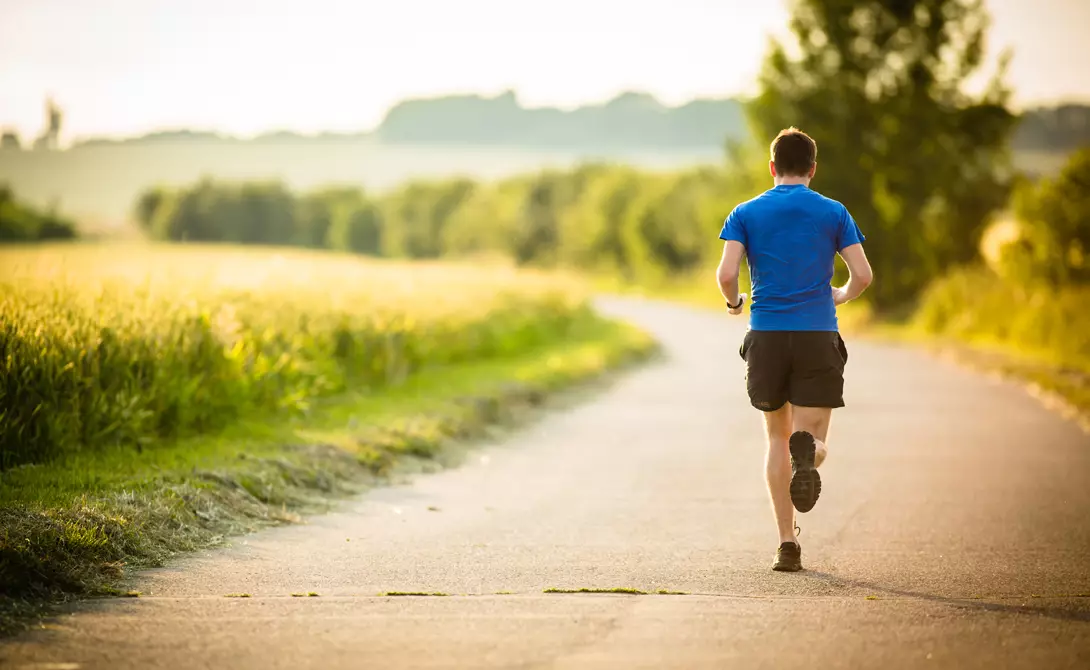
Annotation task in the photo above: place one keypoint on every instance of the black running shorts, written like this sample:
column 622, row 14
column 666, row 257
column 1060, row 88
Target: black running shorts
column 805, row 368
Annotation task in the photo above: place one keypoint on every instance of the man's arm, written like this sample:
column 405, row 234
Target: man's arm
column 860, row 274
column 727, row 274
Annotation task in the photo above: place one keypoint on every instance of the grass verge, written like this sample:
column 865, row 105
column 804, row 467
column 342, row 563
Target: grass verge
column 71, row 528
column 1033, row 333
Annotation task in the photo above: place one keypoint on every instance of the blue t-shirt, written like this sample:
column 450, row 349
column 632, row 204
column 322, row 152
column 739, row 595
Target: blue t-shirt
column 792, row 235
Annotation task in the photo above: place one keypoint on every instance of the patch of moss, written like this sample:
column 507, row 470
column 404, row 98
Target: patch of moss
column 627, row 591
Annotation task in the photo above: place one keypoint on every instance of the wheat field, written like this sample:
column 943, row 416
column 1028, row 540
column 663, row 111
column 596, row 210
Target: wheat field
column 105, row 344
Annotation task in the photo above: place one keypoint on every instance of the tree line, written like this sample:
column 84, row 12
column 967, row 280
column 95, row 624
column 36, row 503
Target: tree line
column 639, row 226
column 598, row 217
column 20, row 222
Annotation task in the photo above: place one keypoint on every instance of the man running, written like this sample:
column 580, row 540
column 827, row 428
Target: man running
column 794, row 354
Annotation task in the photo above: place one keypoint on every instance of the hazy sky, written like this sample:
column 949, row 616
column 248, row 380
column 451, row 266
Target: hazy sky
column 244, row 66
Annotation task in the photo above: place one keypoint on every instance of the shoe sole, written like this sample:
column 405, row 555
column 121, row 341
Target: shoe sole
column 805, row 480
column 787, row 568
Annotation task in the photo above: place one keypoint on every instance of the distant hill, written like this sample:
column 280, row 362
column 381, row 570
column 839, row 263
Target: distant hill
column 631, row 120
column 164, row 136
column 1061, row 128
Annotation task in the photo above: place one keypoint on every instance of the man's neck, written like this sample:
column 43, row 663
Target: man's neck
column 791, row 181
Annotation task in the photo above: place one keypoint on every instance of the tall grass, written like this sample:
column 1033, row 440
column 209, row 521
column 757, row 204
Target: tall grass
column 978, row 306
column 102, row 346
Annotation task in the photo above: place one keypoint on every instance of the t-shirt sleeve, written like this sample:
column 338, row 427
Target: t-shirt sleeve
column 848, row 232
column 734, row 227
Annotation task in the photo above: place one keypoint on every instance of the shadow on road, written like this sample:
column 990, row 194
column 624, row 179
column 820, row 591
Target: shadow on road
column 1078, row 612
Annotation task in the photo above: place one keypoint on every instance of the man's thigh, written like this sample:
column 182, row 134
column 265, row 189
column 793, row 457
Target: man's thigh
column 817, row 369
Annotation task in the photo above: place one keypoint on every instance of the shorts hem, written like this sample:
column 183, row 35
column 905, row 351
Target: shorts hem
column 818, row 405
column 768, row 408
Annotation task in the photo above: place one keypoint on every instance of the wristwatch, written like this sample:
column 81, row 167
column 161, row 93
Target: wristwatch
column 741, row 301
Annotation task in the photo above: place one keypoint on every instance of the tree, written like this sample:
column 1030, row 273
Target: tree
column 148, row 203
column 20, row 222
column 355, row 224
column 1054, row 218
column 50, row 137
column 9, row 140
column 416, row 215
column 880, row 84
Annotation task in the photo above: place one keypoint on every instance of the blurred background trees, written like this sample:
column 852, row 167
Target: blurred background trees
column 1053, row 240
column 20, row 222
column 918, row 161
column 49, row 140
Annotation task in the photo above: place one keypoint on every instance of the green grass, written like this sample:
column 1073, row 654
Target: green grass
column 73, row 526
column 106, row 345
column 1036, row 334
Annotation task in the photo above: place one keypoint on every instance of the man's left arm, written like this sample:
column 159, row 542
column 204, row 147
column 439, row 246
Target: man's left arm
column 729, row 268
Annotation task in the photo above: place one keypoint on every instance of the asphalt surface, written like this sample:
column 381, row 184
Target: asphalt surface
column 951, row 533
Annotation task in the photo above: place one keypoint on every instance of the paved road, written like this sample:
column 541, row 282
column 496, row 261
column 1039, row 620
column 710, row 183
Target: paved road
column 951, row 533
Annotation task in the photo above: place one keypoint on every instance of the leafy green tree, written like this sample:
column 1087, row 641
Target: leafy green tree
column 148, row 204
column 17, row 223
column 918, row 161
column 355, row 225
column 1054, row 218
column 674, row 221
column 486, row 221
column 416, row 215
column 20, row 222
column 592, row 231
column 315, row 216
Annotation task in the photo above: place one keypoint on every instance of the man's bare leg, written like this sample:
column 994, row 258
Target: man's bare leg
column 814, row 420
column 807, row 450
column 778, row 470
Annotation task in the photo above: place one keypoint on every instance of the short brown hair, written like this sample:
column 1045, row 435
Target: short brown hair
column 793, row 153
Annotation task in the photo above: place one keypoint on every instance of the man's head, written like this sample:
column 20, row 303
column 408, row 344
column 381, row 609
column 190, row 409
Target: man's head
column 794, row 155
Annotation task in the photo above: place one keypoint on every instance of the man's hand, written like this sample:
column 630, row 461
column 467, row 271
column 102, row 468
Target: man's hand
column 741, row 305
column 840, row 296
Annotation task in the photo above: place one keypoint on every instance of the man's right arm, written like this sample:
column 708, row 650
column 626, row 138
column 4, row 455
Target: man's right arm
column 860, row 274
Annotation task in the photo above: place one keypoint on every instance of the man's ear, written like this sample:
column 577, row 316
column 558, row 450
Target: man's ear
column 772, row 168
column 813, row 169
